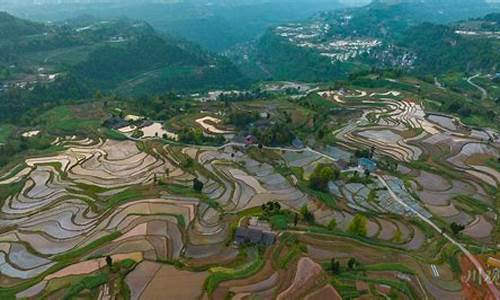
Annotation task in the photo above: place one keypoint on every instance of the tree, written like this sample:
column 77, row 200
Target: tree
column 197, row 185
column 109, row 261
column 358, row 225
column 335, row 266
column 307, row 215
column 372, row 151
column 98, row 94
column 332, row 225
column 456, row 228
column 321, row 176
column 352, row 263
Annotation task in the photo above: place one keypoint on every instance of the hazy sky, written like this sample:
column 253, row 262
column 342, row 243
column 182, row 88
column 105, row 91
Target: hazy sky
column 160, row 1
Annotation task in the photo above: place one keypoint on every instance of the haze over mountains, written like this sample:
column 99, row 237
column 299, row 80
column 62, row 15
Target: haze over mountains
column 215, row 25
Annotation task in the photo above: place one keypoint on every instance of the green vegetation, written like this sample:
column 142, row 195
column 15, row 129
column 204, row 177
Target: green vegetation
column 145, row 62
column 321, row 176
column 66, row 120
column 279, row 222
column 5, row 132
column 470, row 204
column 219, row 275
column 196, row 136
column 381, row 267
column 89, row 282
column 15, row 146
column 277, row 135
column 241, row 119
column 358, row 225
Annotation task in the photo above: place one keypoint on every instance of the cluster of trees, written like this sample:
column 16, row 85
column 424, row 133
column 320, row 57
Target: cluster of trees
column 321, row 175
column 15, row 145
column 367, row 153
column 307, row 216
column 464, row 110
column 241, row 119
column 335, row 267
column 271, row 208
column 254, row 94
column 196, row 136
column 277, row 135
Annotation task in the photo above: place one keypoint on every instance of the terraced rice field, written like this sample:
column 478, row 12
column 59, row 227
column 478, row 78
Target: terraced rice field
column 402, row 130
column 134, row 201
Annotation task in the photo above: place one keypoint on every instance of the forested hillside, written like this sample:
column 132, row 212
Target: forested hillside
column 74, row 60
column 440, row 49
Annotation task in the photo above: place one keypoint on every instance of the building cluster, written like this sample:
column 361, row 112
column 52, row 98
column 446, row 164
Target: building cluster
column 315, row 36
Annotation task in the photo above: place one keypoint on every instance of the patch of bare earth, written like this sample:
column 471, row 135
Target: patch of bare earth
column 170, row 283
column 307, row 276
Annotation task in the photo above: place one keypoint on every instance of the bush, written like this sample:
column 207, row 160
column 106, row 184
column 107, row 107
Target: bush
column 279, row 222
column 332, row 225
column 307, row 215
column 197, row 185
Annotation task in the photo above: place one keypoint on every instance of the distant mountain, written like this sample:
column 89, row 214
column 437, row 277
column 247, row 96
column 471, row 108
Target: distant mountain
column 215, row 25
column 107, row 54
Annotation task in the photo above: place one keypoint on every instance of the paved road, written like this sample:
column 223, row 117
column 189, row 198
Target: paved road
column 486, row 278
column 484, row 93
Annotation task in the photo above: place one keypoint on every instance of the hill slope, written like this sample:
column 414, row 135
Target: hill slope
column 73, row 60
column 105, row 55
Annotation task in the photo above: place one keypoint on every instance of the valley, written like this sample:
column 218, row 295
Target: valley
column 310, row 150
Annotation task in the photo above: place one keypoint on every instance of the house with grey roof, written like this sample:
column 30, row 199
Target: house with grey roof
column 254, row 236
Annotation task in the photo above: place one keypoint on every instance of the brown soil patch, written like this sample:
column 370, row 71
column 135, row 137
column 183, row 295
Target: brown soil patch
column 480, row 228
column 170, row 283
column 307, row 276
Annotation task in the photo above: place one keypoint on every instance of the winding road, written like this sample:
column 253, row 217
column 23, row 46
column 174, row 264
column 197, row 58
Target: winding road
column 486, row 278
column 484, row 93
